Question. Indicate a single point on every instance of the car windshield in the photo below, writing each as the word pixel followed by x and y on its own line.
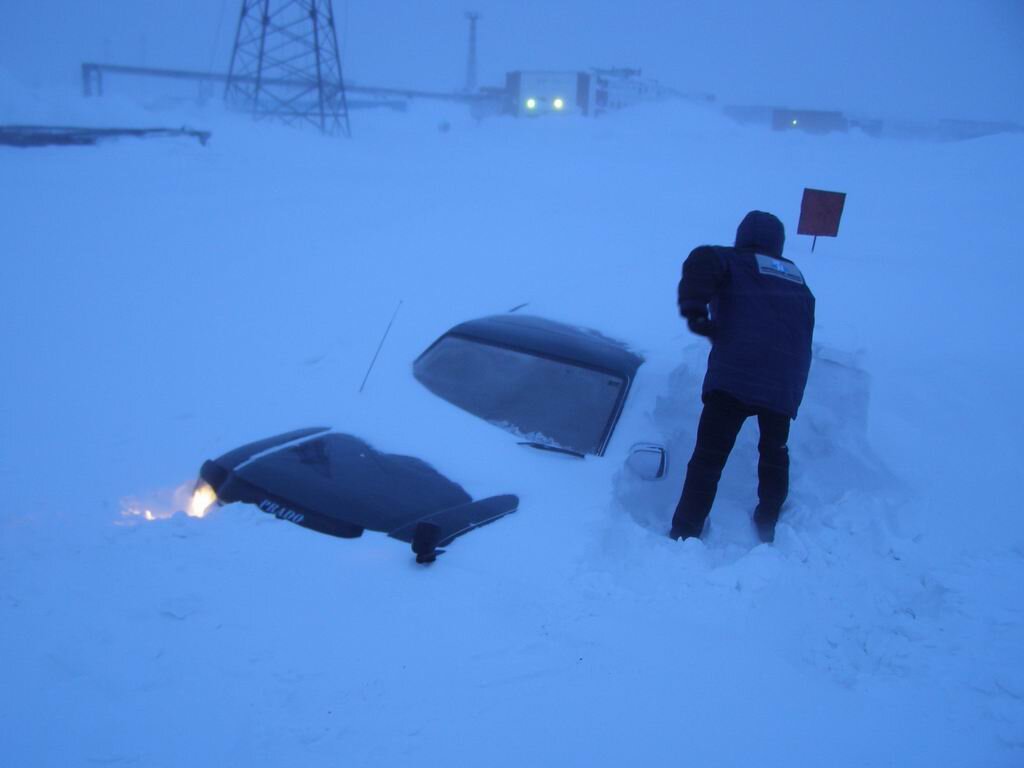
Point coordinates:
pixel 544 400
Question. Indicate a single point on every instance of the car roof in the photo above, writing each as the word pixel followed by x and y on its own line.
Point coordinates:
pixel 548 338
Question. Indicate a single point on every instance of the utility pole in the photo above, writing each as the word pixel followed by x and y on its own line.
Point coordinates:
pixel 470 86
pixel 286 64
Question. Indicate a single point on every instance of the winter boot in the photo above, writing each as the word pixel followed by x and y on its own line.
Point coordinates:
pixel 764 522
pixel 686 532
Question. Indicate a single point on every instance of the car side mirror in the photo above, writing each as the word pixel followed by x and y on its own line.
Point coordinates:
pixel 648 460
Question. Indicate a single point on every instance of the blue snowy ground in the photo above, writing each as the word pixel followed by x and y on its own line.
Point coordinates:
pixel 164 302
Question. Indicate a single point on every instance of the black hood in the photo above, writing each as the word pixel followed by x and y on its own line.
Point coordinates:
pixel 337 484
pixel 761 232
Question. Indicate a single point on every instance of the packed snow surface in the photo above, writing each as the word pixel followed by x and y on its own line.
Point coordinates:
pixel 164 302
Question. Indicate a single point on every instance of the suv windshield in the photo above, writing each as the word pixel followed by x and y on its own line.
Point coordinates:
pixel 542 399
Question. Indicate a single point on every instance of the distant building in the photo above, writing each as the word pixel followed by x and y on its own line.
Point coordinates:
pixel 534 93
pixel 809 120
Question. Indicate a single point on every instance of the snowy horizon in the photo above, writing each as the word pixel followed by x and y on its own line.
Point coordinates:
pixel 918 59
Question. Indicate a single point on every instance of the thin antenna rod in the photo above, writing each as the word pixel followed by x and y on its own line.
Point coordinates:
pixel 470 86
pixel 380 346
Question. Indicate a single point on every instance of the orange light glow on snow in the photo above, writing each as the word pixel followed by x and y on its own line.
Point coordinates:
pixel 192 499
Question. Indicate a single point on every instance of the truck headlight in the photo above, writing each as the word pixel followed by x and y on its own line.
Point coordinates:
pixel 558 103
pixel 531 103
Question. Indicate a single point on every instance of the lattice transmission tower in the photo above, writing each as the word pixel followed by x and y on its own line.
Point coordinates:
pixel 286 64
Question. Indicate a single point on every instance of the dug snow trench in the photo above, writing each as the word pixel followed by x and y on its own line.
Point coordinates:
pixel 831 455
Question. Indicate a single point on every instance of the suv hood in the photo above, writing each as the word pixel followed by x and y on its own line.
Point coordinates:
pixel 338 484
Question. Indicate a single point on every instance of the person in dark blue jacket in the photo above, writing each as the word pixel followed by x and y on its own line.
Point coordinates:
pixel 755 307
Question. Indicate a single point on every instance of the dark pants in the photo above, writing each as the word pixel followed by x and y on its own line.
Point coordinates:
pixel 720 422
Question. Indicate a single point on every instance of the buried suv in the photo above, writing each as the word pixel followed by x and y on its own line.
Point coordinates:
pixel 555 387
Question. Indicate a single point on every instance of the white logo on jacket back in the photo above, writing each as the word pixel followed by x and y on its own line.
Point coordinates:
pixel 767 265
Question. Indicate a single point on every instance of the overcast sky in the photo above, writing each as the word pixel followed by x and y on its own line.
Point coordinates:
pixel 912 58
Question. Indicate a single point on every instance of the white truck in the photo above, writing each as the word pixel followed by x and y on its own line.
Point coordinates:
pixel 534 93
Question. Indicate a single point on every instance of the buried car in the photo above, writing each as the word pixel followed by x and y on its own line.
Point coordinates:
pixel 556 387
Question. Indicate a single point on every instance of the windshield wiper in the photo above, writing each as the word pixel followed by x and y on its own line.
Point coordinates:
pixel 555 448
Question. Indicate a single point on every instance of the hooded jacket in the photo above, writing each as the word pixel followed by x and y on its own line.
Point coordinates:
pixel 761 316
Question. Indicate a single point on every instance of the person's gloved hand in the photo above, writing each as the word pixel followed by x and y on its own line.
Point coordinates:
pixel 701 325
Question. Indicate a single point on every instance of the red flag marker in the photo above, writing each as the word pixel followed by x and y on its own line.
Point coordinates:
pixel 820 212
